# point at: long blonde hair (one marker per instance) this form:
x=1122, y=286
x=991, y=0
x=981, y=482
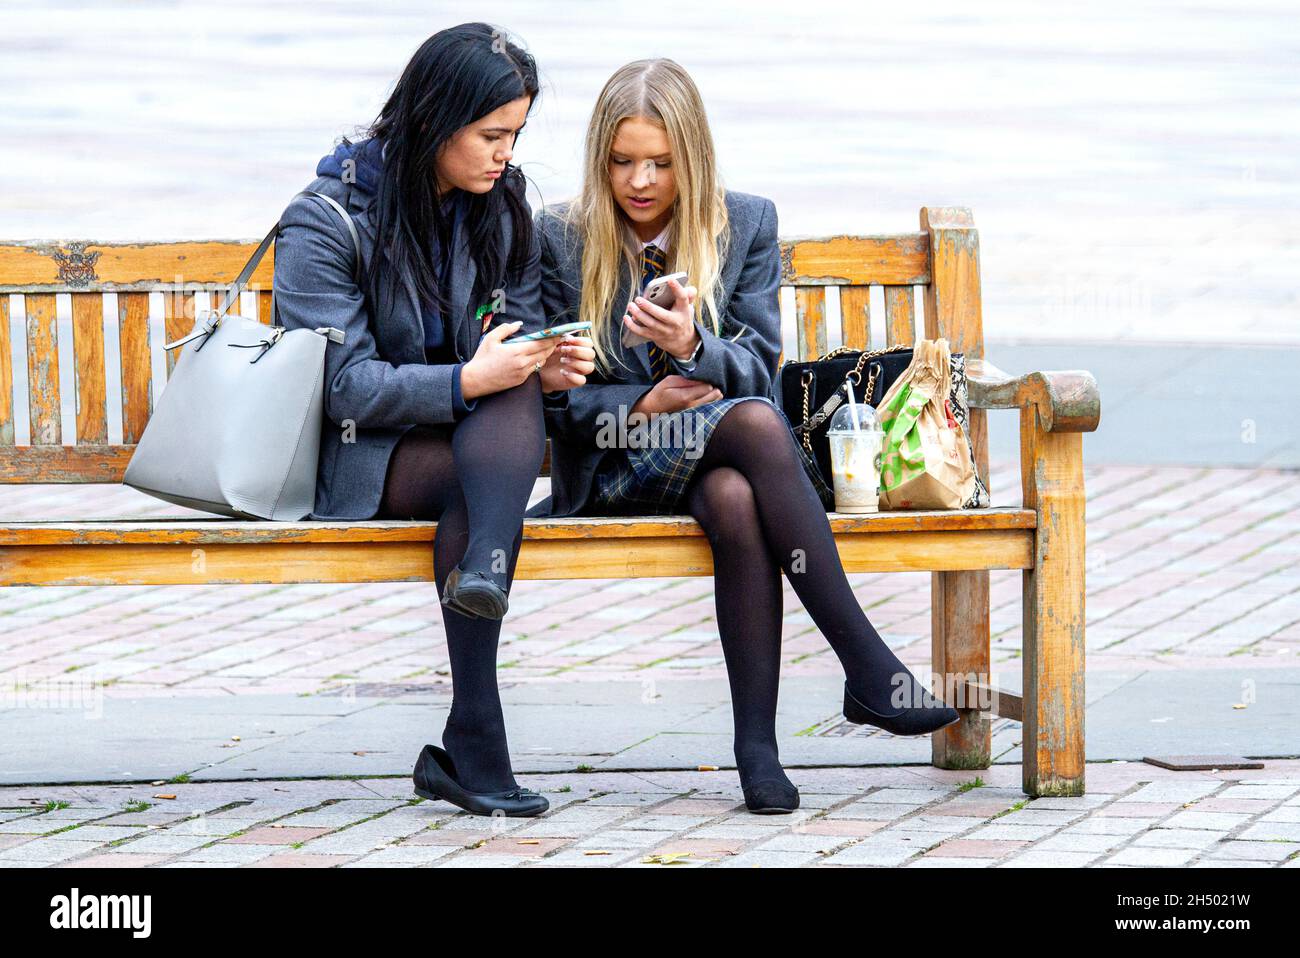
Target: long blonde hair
x=662, y=92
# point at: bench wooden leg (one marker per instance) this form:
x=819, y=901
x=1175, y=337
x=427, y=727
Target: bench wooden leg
x=959, y=652
x=1053, y=741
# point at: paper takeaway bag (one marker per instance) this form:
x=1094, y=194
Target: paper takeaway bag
x=925, y=460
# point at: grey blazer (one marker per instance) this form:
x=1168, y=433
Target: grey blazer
x=740, y=362
x=377, y=381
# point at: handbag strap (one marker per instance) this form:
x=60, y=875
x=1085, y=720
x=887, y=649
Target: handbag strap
x=232, y=295
x=247, y=272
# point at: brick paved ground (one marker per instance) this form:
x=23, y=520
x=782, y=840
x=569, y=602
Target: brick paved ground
x=1133, y=815
x=1188, y=568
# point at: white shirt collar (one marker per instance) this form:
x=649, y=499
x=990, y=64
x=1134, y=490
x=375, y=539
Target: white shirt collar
x=660, y=241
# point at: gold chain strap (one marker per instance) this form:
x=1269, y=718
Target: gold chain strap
x=855, y=374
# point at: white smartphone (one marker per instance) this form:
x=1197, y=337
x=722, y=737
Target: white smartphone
x=659, y=293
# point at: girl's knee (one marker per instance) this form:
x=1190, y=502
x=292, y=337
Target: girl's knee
x=724, y=505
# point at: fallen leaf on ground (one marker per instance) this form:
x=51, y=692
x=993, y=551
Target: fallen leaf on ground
x=668, y=858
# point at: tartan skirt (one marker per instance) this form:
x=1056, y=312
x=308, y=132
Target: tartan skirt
x=650, y=473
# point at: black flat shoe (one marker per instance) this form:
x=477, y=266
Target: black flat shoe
x=930, y=716
x=771, y=797
x=434, y=778
x=474, y=594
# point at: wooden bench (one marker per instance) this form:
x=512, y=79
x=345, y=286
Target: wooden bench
x=1044, y=538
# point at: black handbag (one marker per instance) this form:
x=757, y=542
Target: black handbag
x=810, y=392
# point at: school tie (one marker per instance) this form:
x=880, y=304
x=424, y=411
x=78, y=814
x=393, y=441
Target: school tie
x=653, y=265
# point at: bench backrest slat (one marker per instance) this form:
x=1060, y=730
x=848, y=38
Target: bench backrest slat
x=8, y=435
x=900, y=316
x=89, y=371
x=942, y=258
x=43, y=408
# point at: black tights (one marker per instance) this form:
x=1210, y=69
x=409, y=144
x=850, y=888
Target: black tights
x=762, y=516
x=474, y=478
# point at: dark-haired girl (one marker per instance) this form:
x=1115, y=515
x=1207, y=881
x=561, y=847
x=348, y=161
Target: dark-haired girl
x=429, y=414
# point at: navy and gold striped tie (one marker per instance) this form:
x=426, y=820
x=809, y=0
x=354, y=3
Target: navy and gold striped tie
x=653, y=264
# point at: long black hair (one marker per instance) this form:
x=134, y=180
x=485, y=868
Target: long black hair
x=457, y=76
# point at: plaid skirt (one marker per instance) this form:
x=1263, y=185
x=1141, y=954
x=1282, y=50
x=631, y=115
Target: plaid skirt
x=650, y=474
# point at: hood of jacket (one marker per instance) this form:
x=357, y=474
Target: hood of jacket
x=359, y=163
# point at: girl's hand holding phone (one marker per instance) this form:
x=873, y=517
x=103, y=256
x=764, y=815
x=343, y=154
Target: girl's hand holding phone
x=573, y=360
x=497, y=365
x=675, y=393
x=672, y=329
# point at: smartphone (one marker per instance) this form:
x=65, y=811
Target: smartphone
x=551, y=332
x=659, y=293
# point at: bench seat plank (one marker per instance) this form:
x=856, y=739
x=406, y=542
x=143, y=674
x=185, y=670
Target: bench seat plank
x=216, y=550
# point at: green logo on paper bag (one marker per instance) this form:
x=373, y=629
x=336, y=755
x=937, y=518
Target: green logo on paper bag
x=901, y=456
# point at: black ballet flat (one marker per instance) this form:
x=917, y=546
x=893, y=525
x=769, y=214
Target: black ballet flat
x=771, y=797
x=434, y=778
x=930, y=716
x=475, y=595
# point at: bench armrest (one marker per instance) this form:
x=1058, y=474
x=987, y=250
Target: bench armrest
x=1067, y=400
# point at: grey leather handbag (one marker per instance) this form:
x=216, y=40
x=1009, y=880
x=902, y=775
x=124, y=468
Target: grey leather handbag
x=238, y=433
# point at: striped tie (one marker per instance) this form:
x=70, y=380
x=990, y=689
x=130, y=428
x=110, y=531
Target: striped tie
x=653, y=265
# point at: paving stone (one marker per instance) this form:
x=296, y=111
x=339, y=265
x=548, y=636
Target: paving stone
x=464, y=860
x=665, y=823
x=1109, y=826
x=1088, y=801
x=702, y=848
x=927, y=862
x=1256, y=851
x=102, y=833
x=1252, y=790
x=1139, y=809
x=873, y=811
x=1044, y=858
x=1214, y=821
x=297, y=859
x=1176, y=838
x=907, y=796
x=1152, y=857
x=268, y=835
x=113, y=860
x=401, y=855
x=624, y=838
x=1228, y=863
x=1170, y=791
x=695, y=807
x=852, y=828
x=1271, y=831
x=577, y=858
x=224, y=852
x=166, y=841
x=1019, y=833
x=865, y=854
x=1068, y=842
x=804, y=842
x=46, y=851
x=936, y=823
x=1045, y=816
x=761, y=858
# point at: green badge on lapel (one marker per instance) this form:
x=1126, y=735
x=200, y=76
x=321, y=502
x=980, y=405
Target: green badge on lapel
x=485, y=314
